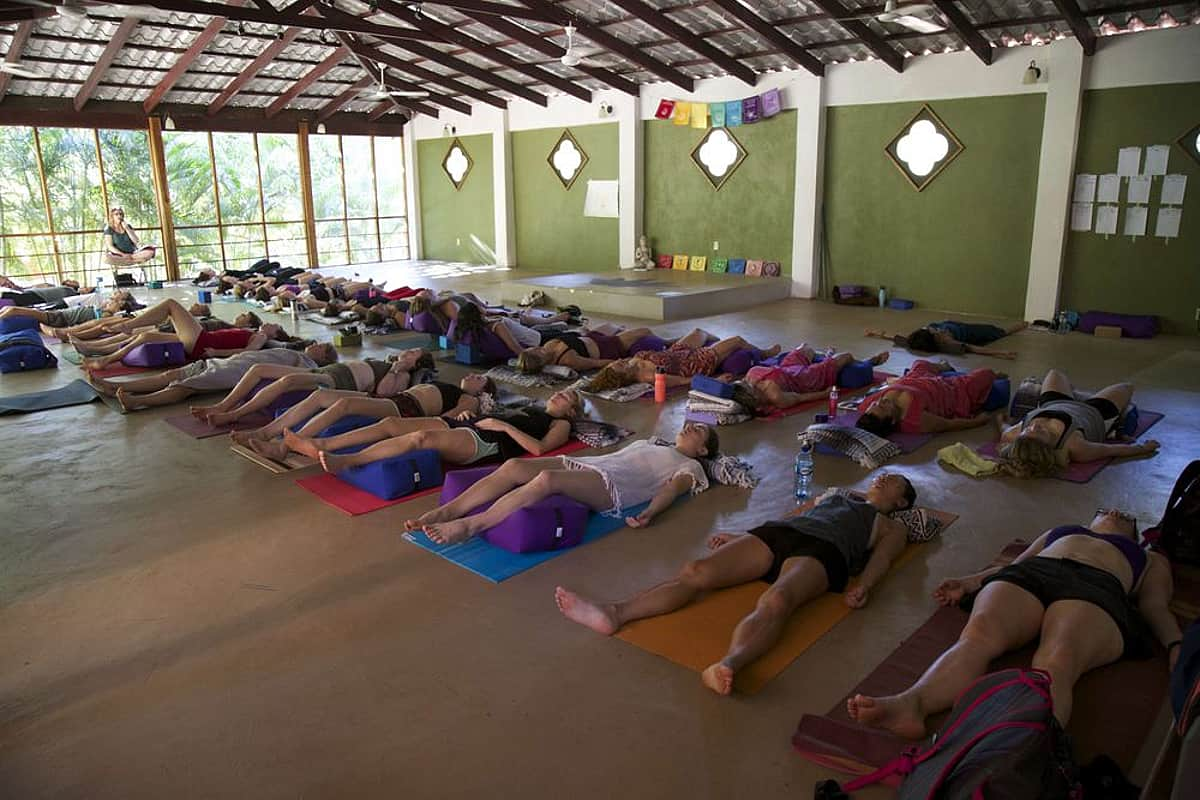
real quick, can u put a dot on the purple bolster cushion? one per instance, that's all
(156, 355)
(738, 362)
(649, 342)
(1135, 326)
(425, 322)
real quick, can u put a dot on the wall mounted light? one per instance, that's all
(1033, 73)
(168, 123)
(320, 127)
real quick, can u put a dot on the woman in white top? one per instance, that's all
(608, 483)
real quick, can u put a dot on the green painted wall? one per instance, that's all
(457, 225)
(551, 230)
(963, 243)
(751, 215)
(1147, 275)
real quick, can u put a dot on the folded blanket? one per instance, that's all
(705, 406)
(722, 469)
(863, 447)
(622, 394)
(598, 434)
(549, 376)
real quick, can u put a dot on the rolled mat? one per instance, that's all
(198, 429)
(497, 564)
(1082, 471)
(697, 636)
(76, 393)
(334, 491)
(1115, 706)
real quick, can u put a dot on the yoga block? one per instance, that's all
(14, 324)
(397, 476)
(202, 296)
(159, 285)
(1135, 326)
(856, 375)
(901, 304)
(999, 395)
(468, 354)
(347, 339)
(702, 383)
(21, 351)
(156, 355)
(1108, 331)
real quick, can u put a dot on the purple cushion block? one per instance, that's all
(490, 346)
(6, 302)
(703, 383)
(650, 342)
(459, 480)
(1135, 326)
(156, 355)
(899, 303)
(856, 375)
(739, 362)
(425, 322)
(14, 324)
(397, 476)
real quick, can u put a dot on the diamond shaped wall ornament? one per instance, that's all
(457, 164)
(1190, 142)
(923, 148)
(718, 154)
(567, 159)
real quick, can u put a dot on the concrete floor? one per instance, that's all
(177, 622)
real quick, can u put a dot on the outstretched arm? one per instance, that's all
(990, 351)
(680, 484)
(1082, 450)
(1154, 603)
(890, 540)
(932, 423)
(952, 590)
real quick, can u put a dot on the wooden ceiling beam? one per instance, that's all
(670, 27)
(335, 105)
(1079, 24)
(495, 10)
(184, 62)
(788, 46)
(308, 79)
(298, 6)
(123, 32)
(963, 28)
(419, 72)
(16, 46)
(411, 106)
(869, 38)
(253, 68)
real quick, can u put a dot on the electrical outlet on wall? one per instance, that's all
(716, 245)
(458, 242)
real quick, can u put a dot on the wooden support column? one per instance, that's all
(306, 196)
(162, 197)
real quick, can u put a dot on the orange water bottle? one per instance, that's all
(660, 385)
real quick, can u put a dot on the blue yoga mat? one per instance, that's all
(497, 564)
(75, 393)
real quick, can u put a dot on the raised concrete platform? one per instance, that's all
(651, 294)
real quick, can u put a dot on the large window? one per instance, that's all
(389, 190)
(279, 165)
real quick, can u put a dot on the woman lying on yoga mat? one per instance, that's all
(1076, 588)
(802, 557)
(208, 375)
(925, 402)
(53, 321)
(596, 347)
(681, 361)
(367, 377)
(526, 431)
(608, 483)
(954, 338)
(1062, 429)
(474, 395)
(187, 329)
(799, 378)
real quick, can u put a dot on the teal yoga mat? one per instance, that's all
(75, 393)
(496, 564)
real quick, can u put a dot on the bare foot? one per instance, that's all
(585, 612)
(771, 351)
(438, 514)
(449, 532)
(102, 385)
(331, 462)
(879, 358)
(271, 448)
(719, 678)
(126, 401)
(202, 412)
(895, 714)
(220, 418)
(301, 444)
(95, 363)
(244, 438)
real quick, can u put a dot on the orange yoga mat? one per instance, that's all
(697, 636)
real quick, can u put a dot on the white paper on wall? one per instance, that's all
(1081, 216)
(1173, 189)
(1129, 161)
(601, 199)
(1139, 189)
(1167, 224)
(1085, 188)
(1108, 189)
(1135, 221)
(1106, 220)
(1156, 159)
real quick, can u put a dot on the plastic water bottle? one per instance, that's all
(660, 385)
(804, 470)
(882, 297)
(833, 403)
(100, 285)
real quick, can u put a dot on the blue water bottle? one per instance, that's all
(804, 470)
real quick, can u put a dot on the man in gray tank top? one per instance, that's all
(802, 557)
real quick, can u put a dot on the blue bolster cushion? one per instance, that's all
(856, 375)
(14, 324)
(703, 383)
(397, 476)
(23, 350)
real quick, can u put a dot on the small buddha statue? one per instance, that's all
(643, 258)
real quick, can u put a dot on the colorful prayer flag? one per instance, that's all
(770, 103)
(682, 113)
(699, 115)
(733, 113)
(665, 109)
(749, 110)
(717, 112)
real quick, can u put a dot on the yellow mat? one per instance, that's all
(697, 636)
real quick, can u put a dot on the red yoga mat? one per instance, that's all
(198, 429)
(117, 369)
(336, 492)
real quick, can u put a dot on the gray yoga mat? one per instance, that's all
(75, 393)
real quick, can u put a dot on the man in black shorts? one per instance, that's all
(802, 557)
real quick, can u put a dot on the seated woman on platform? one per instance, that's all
(923, 401)
(493, 436)
(642, 471)
(1087, 594)
(597, 347)
(367, 377)
(473, 396)
(121, 245)
(799, 378)
(1062, 429)
(954, 338)
(681, 361)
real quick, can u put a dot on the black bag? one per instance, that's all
(125, 279)
(1177, 534)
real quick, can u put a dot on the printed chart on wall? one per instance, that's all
(1097, 206)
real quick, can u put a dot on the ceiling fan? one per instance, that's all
(73, 11)
(19, 71)
(906, 15)
(574, 56)
(381, 92)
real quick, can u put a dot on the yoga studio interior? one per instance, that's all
(599, 399)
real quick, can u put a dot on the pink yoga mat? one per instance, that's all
(202, 430)
(1083, 471)
(336, 492)
(118, 369)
